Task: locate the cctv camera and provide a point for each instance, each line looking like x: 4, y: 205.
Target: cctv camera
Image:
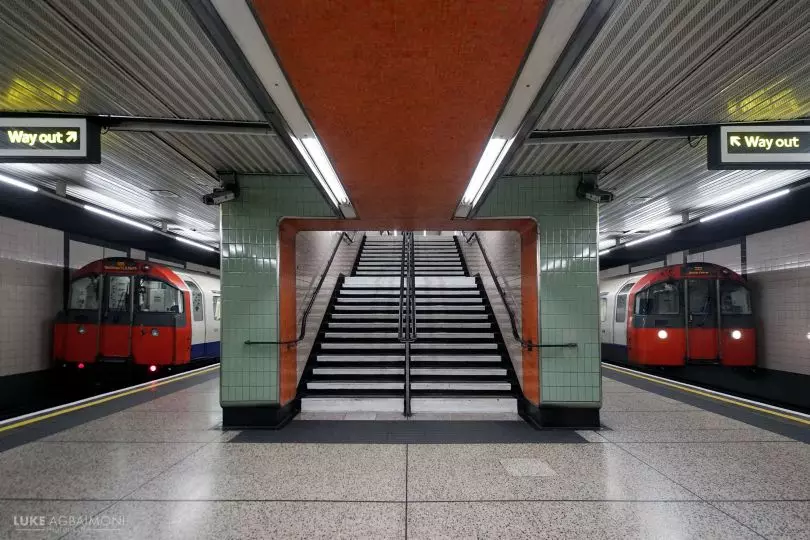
x: 218, y: 197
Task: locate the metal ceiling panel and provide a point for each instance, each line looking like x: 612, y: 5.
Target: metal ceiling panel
x: 161, y: 45
x: 641, y: 55
x: 674, y: 175
x: 143, y: 58
x: 762, y: 73
x: 534, y: 159
x: 240, y: 153
x: 134, y: 164
x: 47, y: 65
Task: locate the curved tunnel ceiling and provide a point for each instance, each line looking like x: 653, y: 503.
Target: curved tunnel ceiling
x: 402, y: 94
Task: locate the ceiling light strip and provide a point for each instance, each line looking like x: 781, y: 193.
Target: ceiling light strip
x: 116, y: 217
x: 247, y: 32
x: 743, y: 206
x: 18, y: 184
x: 193, y: 243
x: 647, y: 238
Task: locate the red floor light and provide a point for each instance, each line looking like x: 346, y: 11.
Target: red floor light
x: 81, y: 365
x: 153, y: 368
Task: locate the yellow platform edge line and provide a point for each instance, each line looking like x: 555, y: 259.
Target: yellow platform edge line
x: 709, y: 395
x: 59, y: 412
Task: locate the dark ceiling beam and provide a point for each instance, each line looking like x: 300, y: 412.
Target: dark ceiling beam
x: 641, y: 133
x: 158, y: 124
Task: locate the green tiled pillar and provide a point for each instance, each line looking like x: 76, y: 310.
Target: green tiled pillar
x: 569, y: 297
x: 250, y: 227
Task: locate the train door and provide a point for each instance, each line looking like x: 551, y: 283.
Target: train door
x: 114, y: 333
x: 605, y: 321
x: 701, y: 320
x: 212, y: 345
x: 160, y: 323
x: 198, y: 337
x: 620, y: 315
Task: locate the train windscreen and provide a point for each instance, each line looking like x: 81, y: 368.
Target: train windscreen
x: 735, y: 298
x: 84, y: 293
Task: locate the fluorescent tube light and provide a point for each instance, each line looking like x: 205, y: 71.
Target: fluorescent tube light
x: 609, y: 243
x: 193, y: 243
x: 648, y: 238
x: 605, y: 251
x: 324, y: 167
x: 17, y: 183
x: 483, y: 172
x: 116, y: 217
x: 743, y: 206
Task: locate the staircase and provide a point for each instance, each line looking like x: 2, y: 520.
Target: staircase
x: 458, y: 363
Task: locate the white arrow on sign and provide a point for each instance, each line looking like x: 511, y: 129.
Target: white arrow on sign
x: 735, y: 140
x: 72, y: 136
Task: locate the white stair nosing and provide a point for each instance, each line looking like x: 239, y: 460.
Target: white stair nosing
x: 358, y: 371
x: 418, y: 345
x: 503, y: 386
x: 496, y: 372
x: 355, y: 385
x: 332, y: 358
x: 351, y: 404
x: 455, y: 358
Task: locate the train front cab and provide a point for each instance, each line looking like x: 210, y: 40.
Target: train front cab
x: 691, y: 314
x: 106, y: 323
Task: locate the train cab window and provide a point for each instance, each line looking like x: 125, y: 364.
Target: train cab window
x: 621, y: 303
x: 734, y: 298
x: 118, y: 293
x: 196, y: 301
x: 84, y: 293
x: 156, y: 296
x: 659, y: 299
x: 217, y: 308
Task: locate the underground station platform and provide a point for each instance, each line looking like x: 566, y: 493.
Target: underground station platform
x: 669, y: 461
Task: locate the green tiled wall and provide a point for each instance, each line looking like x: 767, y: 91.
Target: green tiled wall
x: 568, y: 262
x: 249, y: 225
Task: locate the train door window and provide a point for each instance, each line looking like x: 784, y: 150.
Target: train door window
x: 659, y: 299
x: 621, y: 303
x: 701, y: 299
x: 84, y: 293
x: 155, y: 296
x: 734, y: 298
x: 602, y: 309
x: 118, y: 293
x: 196, y: 301
x: 217, y: 308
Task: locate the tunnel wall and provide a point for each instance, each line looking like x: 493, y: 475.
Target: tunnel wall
x: 568, y: 298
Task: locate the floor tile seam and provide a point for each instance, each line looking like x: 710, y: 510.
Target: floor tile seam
x: 167, y: 469
x: 76, y: 528
x: 689, y: 490
x: 425, y: 501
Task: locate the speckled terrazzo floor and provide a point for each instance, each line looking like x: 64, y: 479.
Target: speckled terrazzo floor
x: 662, y: 468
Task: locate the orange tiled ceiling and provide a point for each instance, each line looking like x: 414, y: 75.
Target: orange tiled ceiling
x: 403, y: 94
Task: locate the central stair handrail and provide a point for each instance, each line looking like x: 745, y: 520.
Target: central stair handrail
x: 407, y: 309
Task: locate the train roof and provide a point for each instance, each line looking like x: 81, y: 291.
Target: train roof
x: 692, y: 270
x: 128, y: 266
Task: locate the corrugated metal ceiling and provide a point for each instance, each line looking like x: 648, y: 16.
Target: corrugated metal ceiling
x: 141, y: 58
x: 662, y: 62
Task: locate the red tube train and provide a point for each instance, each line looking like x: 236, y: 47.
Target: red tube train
x: 138, y: 314
x: 694, y: 313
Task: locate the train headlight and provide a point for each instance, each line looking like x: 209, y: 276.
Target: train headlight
x: 736, y: 334
x: 663, y: 334
x: 82, y: 329
x: 155, y: 332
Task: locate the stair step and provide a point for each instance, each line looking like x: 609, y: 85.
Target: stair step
x: 355, y: 385
x: 454, y: 358
x: 359, y: 371
x: 393, y: 283
x: 461, y: 386
x: 395, y: 300
x: 371, y: 345
x: 330, y: 358
x: 419, y: 316
x: 418, y: 308
x: 463, y: 404
x: 424, y: 325
x: 454, y: 372
x: 352, y: 404
x: 462, y: 346
x: 420, y: 335
x: 395, y: 292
